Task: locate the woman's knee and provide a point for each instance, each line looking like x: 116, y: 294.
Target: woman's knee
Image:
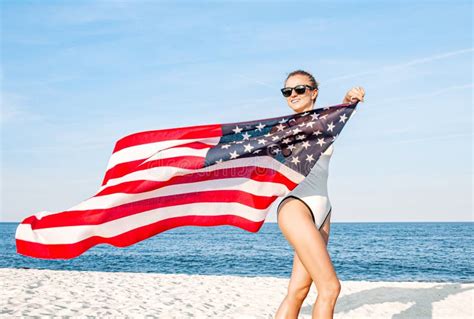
x: 299, y: 293
x: 330, y: 290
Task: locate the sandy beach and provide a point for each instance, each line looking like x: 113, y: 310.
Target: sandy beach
x: 29, y: 292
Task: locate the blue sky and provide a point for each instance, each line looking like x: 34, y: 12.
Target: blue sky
x: 77, y: 76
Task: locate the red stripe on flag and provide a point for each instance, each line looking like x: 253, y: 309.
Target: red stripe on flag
x: 189, y: 132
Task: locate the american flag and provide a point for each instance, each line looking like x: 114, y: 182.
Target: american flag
x: 207, y: 175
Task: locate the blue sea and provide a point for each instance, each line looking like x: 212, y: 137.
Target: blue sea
x: 360, y: 251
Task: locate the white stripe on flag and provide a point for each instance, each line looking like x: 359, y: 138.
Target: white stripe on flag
x: 179, y: 151
x: 144, y: 151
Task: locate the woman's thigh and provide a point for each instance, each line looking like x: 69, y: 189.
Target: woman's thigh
x: 313, y: 262
x: 300, y: 278
x: 325, y: 228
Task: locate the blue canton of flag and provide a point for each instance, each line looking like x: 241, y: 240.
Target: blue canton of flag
x: 296, y: 140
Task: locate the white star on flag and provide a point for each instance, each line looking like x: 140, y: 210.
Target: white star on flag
x: 233, y: 155
x: 237, y: 129
x: 331, y: 126
x: 246, y: 136
x: 300, y: 137
x: 280, y: 127
x: 309, y: 157
x: 296, y: 131
x: 295, y: 160
x: 248, y: 147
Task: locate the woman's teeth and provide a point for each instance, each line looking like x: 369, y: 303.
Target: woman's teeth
x: 295, y: 101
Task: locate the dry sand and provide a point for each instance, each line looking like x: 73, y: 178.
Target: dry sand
x: 29, y: 292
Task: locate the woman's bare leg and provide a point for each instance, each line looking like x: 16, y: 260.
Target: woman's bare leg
x: 325, y: 228
x: 300, y: 282
x: 295, y: 222
x: 298, y: 288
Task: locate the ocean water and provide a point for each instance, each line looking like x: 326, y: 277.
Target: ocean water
x: 360, y: 251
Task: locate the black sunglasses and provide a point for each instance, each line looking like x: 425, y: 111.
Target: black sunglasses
x: 299, y: 89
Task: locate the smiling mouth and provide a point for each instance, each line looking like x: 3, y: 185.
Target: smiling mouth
x: 295, y: 101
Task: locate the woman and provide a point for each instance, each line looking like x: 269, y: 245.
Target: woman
x: 304, y: 216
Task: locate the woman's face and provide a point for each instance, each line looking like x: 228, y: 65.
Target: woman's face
x: 300, y: 102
